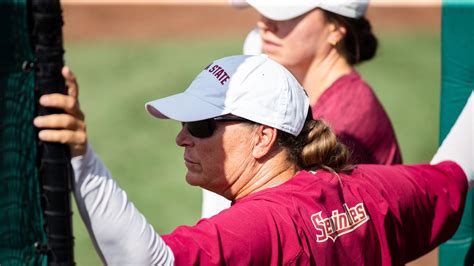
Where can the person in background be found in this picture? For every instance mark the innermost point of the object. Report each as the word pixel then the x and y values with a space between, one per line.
pixel 248 135
pixel 320 42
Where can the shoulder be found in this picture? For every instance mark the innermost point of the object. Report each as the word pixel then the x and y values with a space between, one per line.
pixel 351 106
pixel 349 94
pixel 351 83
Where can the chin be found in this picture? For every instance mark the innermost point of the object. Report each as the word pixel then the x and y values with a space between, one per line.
pixel 280 59
pixel 193 180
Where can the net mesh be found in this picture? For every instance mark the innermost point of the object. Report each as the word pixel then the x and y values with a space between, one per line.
pixel 21 221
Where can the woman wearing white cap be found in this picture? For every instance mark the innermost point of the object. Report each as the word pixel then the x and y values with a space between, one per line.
pixel 320 41
pixel 247 135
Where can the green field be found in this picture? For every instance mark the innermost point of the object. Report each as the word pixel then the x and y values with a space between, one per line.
pixel 117 78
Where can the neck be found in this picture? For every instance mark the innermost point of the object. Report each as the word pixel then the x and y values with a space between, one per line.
pixel 317 76
pixel 264 176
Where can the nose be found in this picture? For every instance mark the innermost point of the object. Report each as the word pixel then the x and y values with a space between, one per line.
pixel 184 139
pixel 266 24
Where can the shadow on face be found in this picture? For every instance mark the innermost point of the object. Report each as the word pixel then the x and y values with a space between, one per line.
pixel 218 163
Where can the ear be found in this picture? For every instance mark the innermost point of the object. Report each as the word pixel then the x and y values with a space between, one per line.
pixel 336 33
pixel 265 138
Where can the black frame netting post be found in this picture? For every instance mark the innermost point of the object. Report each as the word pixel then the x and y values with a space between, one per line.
pixel 53 159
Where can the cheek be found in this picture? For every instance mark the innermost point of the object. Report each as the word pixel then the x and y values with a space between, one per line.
pixel 300 47
pixel 220 162
pixel 238 155
pixel 209 171
pixel 295 57
pixel 300 54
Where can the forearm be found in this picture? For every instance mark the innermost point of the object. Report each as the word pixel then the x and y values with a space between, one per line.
pixel 119 230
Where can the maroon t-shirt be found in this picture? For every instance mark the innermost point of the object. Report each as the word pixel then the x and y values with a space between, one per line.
pixel 393 214
pixel 352 109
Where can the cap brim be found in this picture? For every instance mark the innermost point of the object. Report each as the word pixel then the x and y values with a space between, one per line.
pixel 282 11
pixel 183 107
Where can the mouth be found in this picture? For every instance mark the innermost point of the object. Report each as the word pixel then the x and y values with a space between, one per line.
pixel 268 45
pixel 188 162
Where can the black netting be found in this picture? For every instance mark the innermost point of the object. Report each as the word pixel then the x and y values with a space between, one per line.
pixel 21 220
pixel 35 224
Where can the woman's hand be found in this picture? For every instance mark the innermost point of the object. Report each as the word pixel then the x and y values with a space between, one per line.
pixel 69 127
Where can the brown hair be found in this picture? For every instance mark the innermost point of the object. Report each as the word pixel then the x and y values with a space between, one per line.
pixel 359 44
pixel 316 147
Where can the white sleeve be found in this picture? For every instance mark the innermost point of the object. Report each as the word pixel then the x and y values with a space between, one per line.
pixel 212 203
pixel 458 144
pixel 253 43
pixel 120 232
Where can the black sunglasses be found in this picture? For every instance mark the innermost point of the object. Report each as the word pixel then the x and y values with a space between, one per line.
pixel 205 128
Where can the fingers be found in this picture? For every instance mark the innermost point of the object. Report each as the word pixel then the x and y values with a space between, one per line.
pixel 66 128
pixel 65 102
pixel 71 82
pixel 76 140
pixel 59 121
pixel 63 136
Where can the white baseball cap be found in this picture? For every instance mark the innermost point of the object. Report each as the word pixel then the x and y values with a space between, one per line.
pixel 252 87
pixel 288 9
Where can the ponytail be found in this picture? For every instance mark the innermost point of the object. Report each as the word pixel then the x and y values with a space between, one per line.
pixel 322 149
pixel 316 147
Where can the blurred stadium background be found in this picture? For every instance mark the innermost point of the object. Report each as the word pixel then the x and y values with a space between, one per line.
pixel 126 54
